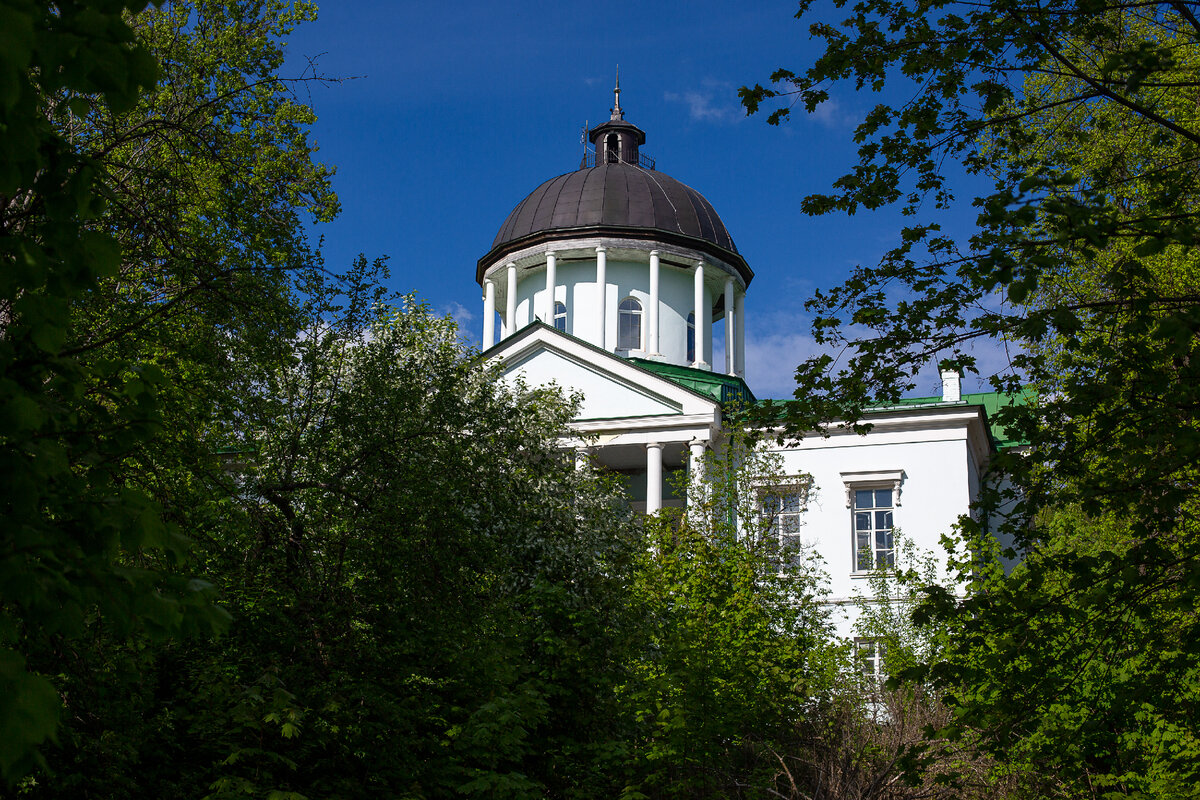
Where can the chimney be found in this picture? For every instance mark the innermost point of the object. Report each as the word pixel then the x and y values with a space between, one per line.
pixel 951 386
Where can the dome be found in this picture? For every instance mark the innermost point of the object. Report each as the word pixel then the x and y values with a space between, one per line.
pixel 616 200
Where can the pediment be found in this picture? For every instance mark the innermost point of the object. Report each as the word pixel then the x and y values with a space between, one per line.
pixel 610 386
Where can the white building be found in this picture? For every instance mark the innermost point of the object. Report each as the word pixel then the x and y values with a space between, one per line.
pixel 609 281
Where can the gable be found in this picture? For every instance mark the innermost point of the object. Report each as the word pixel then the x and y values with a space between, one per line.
pixel 604 395
pixel 611 387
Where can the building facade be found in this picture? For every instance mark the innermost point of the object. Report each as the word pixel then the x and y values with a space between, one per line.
pixel 610 282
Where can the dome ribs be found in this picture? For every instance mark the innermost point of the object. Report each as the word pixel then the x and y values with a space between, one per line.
pixel 567 211
pixel 703 218
pixel 686 220
pixel 641 203
pixel 616 196
pixel 621 201
pixel 591 199
pixel 523 223
pixel 544 215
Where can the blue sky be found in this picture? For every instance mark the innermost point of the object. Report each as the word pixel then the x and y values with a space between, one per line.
pixel 448 115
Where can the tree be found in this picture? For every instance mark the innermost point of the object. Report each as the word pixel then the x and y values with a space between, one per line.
pixel 149 220
pixel 67 424
pixel 738 650
pixel 427 596
pixel 1082 664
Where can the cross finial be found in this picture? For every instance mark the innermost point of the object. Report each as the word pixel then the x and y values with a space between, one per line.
pixel 617 113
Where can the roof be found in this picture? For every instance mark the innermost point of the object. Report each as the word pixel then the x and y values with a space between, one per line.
pixel 990 401
pixel 722 388
pixel 619 200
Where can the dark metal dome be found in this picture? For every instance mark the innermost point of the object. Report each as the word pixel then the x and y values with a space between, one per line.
pixel 616 200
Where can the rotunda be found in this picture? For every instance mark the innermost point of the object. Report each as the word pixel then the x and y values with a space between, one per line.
pixel 621 256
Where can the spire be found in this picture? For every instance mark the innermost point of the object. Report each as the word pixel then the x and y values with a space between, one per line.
pixel 617 113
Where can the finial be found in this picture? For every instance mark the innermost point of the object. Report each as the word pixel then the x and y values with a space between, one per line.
pixel 617 113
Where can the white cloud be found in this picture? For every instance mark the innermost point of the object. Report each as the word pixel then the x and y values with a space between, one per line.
pixel 715 102
pixel 776 343
pixel 831 114
pixel 462 315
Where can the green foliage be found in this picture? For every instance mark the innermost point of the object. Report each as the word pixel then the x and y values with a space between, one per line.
pixel 738 643
pixel 886 614
pixel 1080 666
pixel 68 423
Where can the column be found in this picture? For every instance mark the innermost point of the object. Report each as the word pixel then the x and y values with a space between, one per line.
pixel 654 473
pixel 739 335
pixel 583 458
pixel 696 493
pixel 510 302
pixel 548 305
pixel 730 337
pixel 652 316
pixel 602 289
pixel 489 313
pixel 698 312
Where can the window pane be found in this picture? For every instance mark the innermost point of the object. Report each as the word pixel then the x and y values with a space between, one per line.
pixel 629 325
pixel 883 519
pixel 863 499
pixel 863 560
pixel 862 522
pixel 791 503
pixel 883 498
pixel 691 337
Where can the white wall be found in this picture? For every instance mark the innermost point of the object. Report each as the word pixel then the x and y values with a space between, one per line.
pixel 576 288
pixel 935 490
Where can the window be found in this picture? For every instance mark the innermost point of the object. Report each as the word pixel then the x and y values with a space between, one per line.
pixel 691 338
pixel 871 497
pixel 871 656
pixel 560 316
pixel 629 325
pixel 873 544
pixel 782 507
pixel 611 149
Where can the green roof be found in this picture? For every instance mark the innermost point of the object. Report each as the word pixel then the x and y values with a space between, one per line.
pixel 722 388
pixel 990 401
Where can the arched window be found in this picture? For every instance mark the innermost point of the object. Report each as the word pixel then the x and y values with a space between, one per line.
pixel 560 316
pixel 612 153
pixel 629 325
pixel 691 338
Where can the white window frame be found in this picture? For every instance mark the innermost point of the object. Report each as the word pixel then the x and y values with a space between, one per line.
pixel 871 481
pixel 788 533
pixel 560 313
pixel 624 313
pixel 870 656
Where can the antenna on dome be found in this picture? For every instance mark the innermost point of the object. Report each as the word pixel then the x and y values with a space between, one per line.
pixel 617 113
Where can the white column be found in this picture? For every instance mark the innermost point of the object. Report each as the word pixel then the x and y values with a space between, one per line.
pixel 548 305
pixel 696 464
pixel 739 335
pixel 698 316
pixel 602 290
pixel 489 313
pixel 583 459
pixel 653 477
pixel 510 302
pixel 729 323
pixel 652 316
pixel 696 487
